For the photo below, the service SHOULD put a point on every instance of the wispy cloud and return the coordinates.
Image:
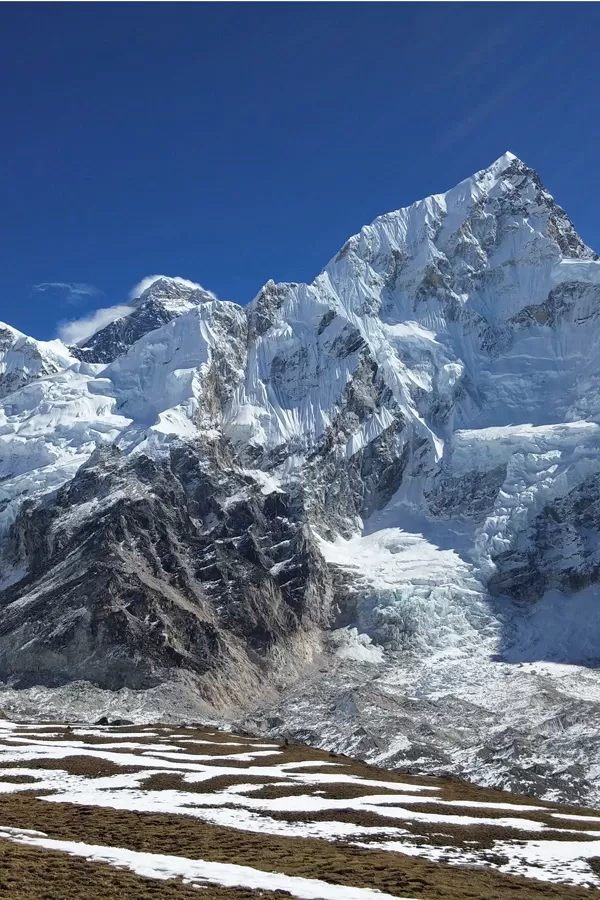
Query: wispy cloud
(69, 292)
(520, 70)
(79, 330)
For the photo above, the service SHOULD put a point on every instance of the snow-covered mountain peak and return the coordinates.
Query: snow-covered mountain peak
(23, 359)
(156, 301)
(504, 161)
(174, 294)
(505, 199)
(389, 447)
(496, 169)
(457, 301)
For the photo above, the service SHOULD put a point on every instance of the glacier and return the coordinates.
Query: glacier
(363, 512)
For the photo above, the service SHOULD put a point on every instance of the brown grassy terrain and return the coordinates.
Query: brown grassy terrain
(168, 781)
(89, 766)
(310, 858)
(29, 873)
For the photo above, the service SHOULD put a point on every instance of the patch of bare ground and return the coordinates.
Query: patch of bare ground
(173, 781)
(326, 790)
(217, 737)
(274, 791)
(109, 736)
(344, 791)
(220, 750)
(448, 788)
(430, 832)
(333, 762)
(455, 789)
(488, 812)
(90, 766)
(594, 863)
(481, 837)
(337, 863)
(100, 739)
(29, 873)
(18, 779)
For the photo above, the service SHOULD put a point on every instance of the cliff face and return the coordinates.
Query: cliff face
(140, 566)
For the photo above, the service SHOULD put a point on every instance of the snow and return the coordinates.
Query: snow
(48, 429)
(22, 354)
(236, 807)
(568, 270)
(349, 644)
(122, 792)
(157, 386)
(409, 583)
(268, 484)
(555, 862)
(50, 426)
(198, 871)
(163, 371)
(542, 463)
(142, 286)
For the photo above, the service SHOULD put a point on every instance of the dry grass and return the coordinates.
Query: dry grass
(173, 781)
(274, 791)
(18, 779)
(490, 813)
(219, 750)
(88, 766)
(310, 858)
(436, 833)
(101, 739)
(32, 874)
(27, 873)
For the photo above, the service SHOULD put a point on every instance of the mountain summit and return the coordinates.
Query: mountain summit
(364, 511)
(156, 304)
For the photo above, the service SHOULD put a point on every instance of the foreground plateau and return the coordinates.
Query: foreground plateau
(155, 811)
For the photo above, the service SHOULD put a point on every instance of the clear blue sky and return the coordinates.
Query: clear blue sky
(231, 143)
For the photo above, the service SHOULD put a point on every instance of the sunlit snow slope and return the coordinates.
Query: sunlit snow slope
(393, 472)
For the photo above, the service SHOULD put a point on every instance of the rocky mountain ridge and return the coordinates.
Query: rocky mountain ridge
(371, 499)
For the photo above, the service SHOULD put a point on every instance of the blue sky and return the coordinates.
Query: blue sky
(232, 143)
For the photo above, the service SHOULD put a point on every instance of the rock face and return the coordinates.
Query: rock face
(363, 508)
(154, 564)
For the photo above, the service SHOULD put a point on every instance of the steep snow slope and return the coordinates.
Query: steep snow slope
(22, 359)
(390, 474)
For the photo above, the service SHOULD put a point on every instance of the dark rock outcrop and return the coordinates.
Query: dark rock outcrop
(139, 566)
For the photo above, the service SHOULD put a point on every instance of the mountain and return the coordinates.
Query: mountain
(24, 359)
(364, 512)
(160, 302)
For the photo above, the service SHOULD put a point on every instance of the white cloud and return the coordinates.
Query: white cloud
(79, 330)
(145, 283)
(66, 291)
